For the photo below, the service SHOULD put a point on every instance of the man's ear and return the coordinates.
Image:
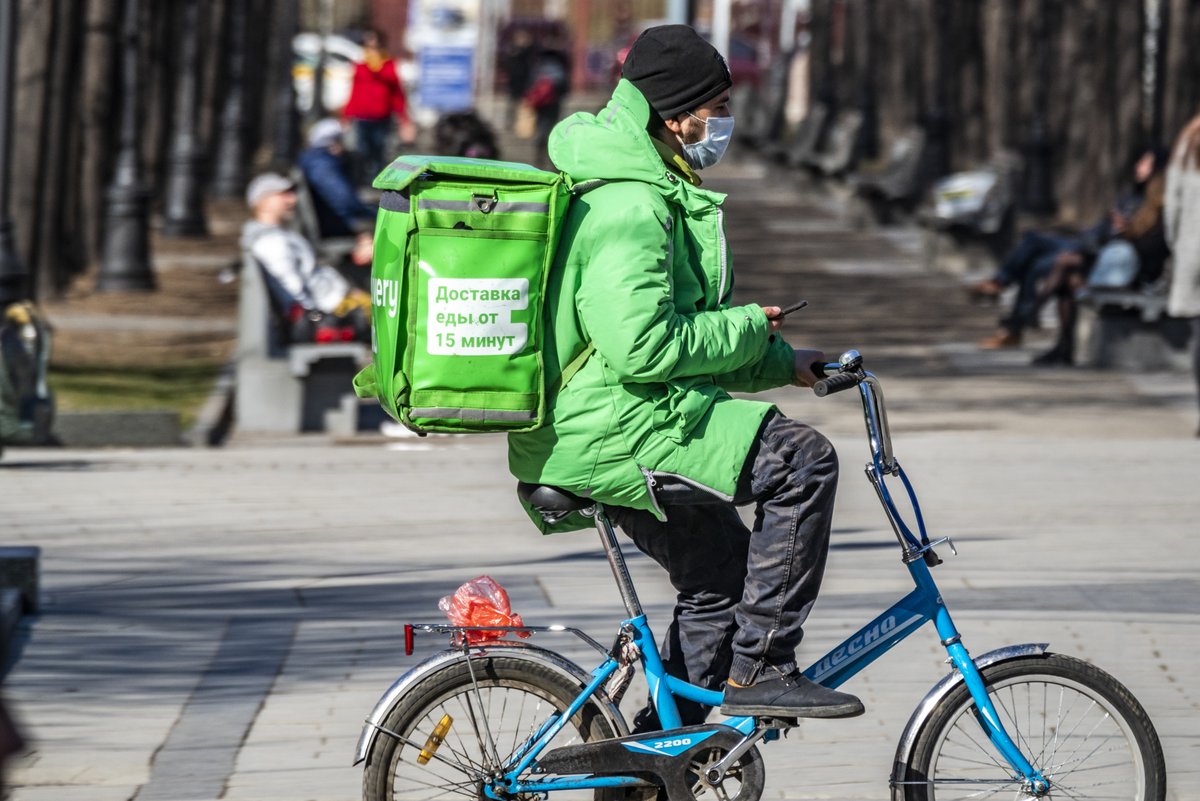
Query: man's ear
(674, 124)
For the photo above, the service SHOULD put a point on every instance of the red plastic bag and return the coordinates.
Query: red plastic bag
(481, 602)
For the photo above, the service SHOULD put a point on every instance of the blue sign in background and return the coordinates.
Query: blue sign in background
(446, 78)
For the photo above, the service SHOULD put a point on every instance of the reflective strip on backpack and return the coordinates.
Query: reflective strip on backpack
(473, 414)
(429, 204)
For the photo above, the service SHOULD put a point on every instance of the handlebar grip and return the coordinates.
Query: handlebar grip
(835, 383)
(818, 369)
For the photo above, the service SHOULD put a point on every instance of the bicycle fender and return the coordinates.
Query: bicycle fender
(908, 739)
(443, 659)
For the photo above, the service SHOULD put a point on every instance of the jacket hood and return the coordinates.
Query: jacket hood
(612, 145)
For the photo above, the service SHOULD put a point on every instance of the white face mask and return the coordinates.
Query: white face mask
(718, 131)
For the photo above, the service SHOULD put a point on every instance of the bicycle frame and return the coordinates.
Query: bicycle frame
(922, 605)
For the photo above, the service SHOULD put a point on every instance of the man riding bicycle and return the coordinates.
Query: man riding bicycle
(643, 346)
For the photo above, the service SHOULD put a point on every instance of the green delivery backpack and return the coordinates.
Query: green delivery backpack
(463, 248)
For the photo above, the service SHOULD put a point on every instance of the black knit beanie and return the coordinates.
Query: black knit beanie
(675, 69)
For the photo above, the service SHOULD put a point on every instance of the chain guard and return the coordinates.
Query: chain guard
(664, 758)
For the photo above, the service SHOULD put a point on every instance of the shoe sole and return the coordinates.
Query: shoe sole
(838, 711)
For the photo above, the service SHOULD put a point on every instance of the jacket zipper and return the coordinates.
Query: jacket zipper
(650, 485)
(698, 485)
(670, 255)
(721, 247)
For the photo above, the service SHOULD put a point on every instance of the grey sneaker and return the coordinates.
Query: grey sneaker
(789, 696)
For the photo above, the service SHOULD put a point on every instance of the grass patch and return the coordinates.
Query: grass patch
(183, 388)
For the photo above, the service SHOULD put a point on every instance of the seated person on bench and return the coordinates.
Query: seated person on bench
(1134, 254)
(1053, 259)
(319, 303)
(339, 211)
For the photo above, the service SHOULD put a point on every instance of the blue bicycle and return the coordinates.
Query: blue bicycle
(509, 720)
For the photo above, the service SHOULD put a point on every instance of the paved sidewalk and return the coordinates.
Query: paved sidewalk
(218, 623)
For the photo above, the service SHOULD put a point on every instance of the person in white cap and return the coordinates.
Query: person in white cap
(298, 283)
(339, 210)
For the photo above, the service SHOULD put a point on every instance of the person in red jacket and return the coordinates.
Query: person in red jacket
(375, 96)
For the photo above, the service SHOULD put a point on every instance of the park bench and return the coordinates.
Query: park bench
(764, 107)
(284, 387)
(969, 226)
(840, 149)
(806, 141)
(1129, 329)
(893, 184)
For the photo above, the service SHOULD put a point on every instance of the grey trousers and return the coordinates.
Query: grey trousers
(744, 594)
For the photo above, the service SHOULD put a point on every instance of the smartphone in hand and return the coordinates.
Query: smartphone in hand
(792, 308)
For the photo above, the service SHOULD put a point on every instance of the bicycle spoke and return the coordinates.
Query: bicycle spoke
(1089, 736)
(1076, 726)
(981, 749)
(1084, 750)
(1016, 728)
(464, 788)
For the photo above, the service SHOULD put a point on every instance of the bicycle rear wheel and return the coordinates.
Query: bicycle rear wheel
(515, 697)
(1078, 725)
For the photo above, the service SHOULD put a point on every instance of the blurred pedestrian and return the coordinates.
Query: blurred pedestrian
(375, 95)
(465, 135)
(339, 210)
(1182, 219)
(518, 64)
(545, 96)
(316, 300)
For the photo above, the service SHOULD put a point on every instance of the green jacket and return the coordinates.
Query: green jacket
(643, 274)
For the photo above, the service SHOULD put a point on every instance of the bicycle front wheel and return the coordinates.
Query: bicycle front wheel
(1078, 725)
(477, 722)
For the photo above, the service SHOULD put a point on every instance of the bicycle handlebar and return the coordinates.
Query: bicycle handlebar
(835, 383)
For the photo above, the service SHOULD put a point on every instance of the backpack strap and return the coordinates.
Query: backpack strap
(587, 186)
(574, 366)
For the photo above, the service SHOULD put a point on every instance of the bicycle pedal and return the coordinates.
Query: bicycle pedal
(778, 723)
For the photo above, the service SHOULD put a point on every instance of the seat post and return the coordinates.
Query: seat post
(616, 560)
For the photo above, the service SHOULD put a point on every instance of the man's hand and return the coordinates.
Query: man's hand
(408, 132)
(364, 250)
(1119, 222)
(804, 362)
(772, 313)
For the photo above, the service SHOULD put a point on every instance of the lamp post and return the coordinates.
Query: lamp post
(125, 264)
(317, 110)
(937, 121)
(868, 137)
(230, 174)
(13, 275)
(1038, 195)
(286, 120)
(827, 89)
(183, 212)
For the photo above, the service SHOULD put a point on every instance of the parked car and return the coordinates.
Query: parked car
(341, 54)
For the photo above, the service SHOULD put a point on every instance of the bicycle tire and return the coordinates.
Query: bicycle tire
(1109, 713)
(385, 757)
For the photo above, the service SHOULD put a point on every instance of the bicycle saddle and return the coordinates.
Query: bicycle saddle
(554, 503)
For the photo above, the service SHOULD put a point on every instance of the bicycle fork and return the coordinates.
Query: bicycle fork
(986, 713)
